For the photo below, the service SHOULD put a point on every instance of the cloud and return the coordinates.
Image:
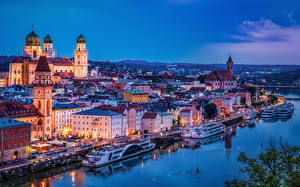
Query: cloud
(257, 42)
(262, 30)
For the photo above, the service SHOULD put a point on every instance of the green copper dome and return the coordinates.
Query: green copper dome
(32, 39)
(48, 39)
(80, 39)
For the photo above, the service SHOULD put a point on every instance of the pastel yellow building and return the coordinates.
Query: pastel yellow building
(135, 96)
(22, 69)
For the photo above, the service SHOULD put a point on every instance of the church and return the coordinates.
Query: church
(222, 79)
(22, 69)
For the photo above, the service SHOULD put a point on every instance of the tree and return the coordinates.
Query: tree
(277, 165)
(174, 122)
(178, 121)
(252, 90)
(272, 98)
(210, 110)
(202, 78)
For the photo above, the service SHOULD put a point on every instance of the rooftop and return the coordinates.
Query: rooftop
(43, 64)
(135, 92)
(8, 122)
(65, 106)
(96, 112)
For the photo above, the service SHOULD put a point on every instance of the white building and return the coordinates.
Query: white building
(99, 124)
(186, 117)
(156, 122)
(227, 103)
(62, 119)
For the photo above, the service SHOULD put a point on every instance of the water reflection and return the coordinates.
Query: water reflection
(236, 138)
(123, 166)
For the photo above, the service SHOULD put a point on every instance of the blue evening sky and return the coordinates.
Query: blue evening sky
(192, 31)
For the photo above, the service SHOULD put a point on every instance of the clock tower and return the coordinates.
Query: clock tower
(42, 97)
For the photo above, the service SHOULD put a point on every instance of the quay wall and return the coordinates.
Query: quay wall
(35, 167)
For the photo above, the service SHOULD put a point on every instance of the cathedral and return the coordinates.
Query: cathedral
(22, 69)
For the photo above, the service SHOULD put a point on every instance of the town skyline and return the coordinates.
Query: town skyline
(118, 30)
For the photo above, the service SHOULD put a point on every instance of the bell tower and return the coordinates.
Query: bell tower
(32, 46)
(229, 64)
(48, 47)
(42, 97)
(80, 58)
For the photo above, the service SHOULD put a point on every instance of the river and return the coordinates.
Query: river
(216, 161)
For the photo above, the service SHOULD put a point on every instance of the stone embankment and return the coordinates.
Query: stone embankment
(34, 167)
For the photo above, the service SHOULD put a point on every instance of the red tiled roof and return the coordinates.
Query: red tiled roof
(111, 108)
(15, 109)
(220, 75)
(185, 110)
(64, 75)
(117, 85)
(150, 115)
(21, 59)
(42, 64)
(58, 61)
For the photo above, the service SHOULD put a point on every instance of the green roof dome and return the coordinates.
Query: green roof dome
(32, 39)
(80, 39)
(48, 39)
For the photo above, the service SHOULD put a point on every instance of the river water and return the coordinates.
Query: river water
(178, 167)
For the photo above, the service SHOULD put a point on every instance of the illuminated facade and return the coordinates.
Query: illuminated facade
(62, 118)
(96, 123)
(42, 98)
(80, 58)
(22, 69)
(135, 96)
(15, 139)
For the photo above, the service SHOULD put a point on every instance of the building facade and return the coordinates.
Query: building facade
(135, 96)
(22, 69)
(42, 98)
(96, 123)
(62, 118)
(222, 79)
(15, 139)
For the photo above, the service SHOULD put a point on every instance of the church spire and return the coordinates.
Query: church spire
(229, 64)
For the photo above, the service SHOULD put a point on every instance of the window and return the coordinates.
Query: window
(34, 54)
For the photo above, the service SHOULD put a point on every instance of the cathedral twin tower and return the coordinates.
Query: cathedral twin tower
(34, 50)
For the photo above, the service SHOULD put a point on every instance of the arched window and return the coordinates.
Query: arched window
(48, 107)
(39, 105)
(34, 53)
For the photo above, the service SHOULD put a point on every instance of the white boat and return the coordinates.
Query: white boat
(250, 114)
(204, 131)
(111, 154)
(269, 112)
(283, 112)
(287, 106)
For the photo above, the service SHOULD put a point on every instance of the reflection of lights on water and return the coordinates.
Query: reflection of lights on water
(169, 151)
(32, 185)
(73, 176)
(182, 145)
(142, 164)
(154, 156)
(42, 183)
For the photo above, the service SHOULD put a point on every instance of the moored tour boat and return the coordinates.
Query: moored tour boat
(204, 131)
(111, 154)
